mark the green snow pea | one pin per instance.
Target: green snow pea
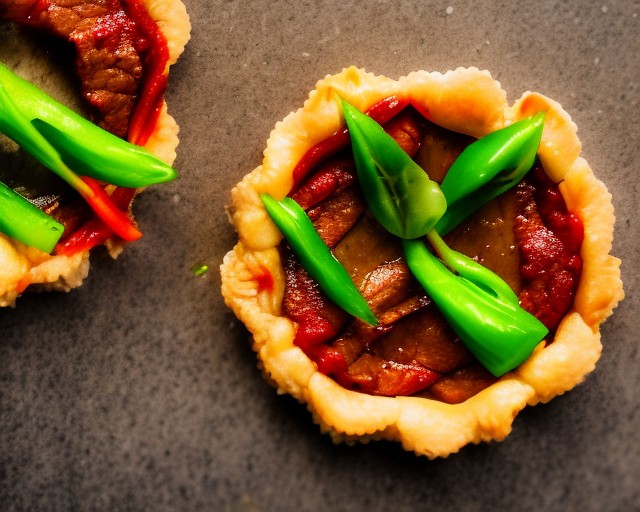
(80, 144)
(26, 223)
(487, 317)
(397, 190)
(489, 167)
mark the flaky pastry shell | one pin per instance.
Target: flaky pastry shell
(468, 101)
(22, 266)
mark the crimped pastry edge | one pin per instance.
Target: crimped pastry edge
(22, 266)
(464, 100)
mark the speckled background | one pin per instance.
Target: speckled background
(139, 391)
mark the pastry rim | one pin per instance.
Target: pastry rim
(425, 426)
(28, 267)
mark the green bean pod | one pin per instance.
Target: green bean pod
(26, 223)
(498, 332)
(82, 146)
(18, 127)
(398, 191)
(489, 167)
(316, 257)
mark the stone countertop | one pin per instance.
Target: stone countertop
(139, 391)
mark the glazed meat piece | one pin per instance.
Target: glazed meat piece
(318, 318)
(337, 215)
(460, 385)
(334, 176)
(108, 46)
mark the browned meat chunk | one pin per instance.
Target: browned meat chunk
(108, 45)
(337, 215)
(460, 385)
(549, 238)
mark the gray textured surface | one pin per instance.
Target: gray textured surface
(139, 390)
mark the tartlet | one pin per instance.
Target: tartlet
(23, 267)
(467, 101)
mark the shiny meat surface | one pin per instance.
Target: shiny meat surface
(108, 48)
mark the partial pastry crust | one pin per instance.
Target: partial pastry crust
(464, 100)
(173, 20)
(21, 266)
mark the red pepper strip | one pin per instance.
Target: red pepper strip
(102, 205)
(382, 112)
(95, 232)
(149, 104)
(333, 364)
(118, 221)
(333, 176)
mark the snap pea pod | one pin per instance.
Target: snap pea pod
(498, 332)
(21, 130)
(488, 167)
(26, 223)
(316, 257)
(397, 190)
(80, 144)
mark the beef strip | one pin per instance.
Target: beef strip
(318, 318)
(460, 385)
(376, 376)
(408, 130)
(108, 50)
(333, 176)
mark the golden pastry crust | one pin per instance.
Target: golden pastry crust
(173, 20)
(464, 100)
(22, 266)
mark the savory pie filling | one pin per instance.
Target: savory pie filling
(526, 236)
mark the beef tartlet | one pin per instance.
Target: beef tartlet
(123, 51)
(413, 372)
